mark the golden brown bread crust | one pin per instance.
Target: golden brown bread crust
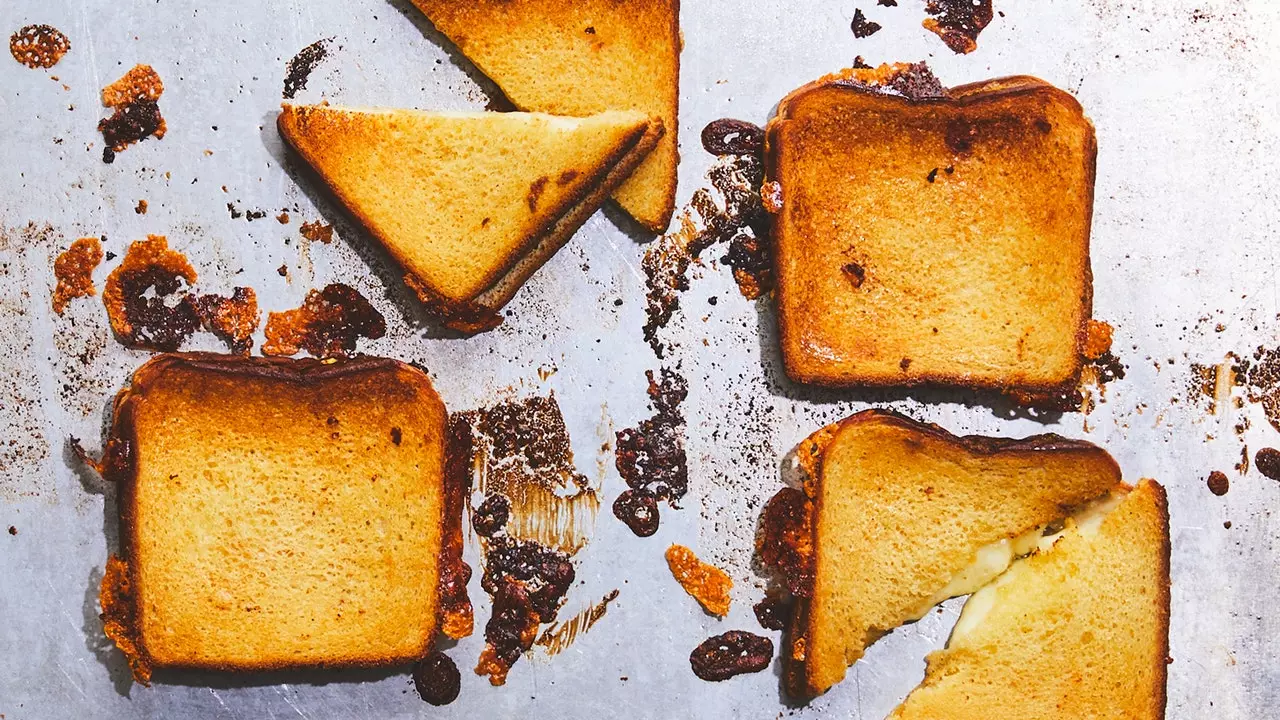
(818, 365)
(120, 583)
(546, 75)
(812, 451)
(480, 312)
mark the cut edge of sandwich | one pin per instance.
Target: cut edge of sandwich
(481, 311)
(1083, 526)
(878, 84)
(118, 589)
(988, 561)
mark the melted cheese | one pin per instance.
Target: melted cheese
(991, 561)
(1086, 522)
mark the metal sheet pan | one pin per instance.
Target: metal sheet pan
(1184, 96)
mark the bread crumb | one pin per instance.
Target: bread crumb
(707, 584)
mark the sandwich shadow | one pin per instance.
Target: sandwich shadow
(227, 680)
(497, 100)
(351, 232)
(780, 385)
(104, 650)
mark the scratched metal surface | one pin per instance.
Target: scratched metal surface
(1187, 105)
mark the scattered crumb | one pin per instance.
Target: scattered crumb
(38, 46)
(283, 218)
(328, 324)
(141, 207)
(317, 231)
(1218, 483)
(137, 116)
(74, 272)
(707, 584)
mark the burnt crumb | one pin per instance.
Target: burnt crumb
(527, 582)
(136, 115)
(638, 509)
(73, 270)
(532, 430)
(13, 530)
(328, 324)
(283, 218)
(283, 270)
(862, 27)
(116, 461)
(436, 678)
(727, 136)
(703, 223)
(491, 516)
(1262, 382)
(932, 177)
(235, 212)
(855, 273)
(773, 613)
(1267, 460)
(905, 364)
(958, 22)
(316, 230)
(38, 46)
(1218, 483)
(859, 63)
(141, 207)
(651, 457)
(751, 257)
(298, 69)
(785, 543)
(252, 215)
(233, 319)
(887, 3)
(396, 435)
(140, 297)
(733, 653)
(914, 81)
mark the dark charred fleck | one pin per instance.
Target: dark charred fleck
(638, 509)
(727, 136)
(527, 582)
(1268, 462)
(960, 136)
(328, 324)
(862, 27)
(437, 679)
(13, 530)
(785, 543)
(855, 273)
(773, 613)
(933, 175)
(1218, 483)
(298, 70)
(733, 653)
(396, 436)
(651, 456)
(491, 516)
(958, 22)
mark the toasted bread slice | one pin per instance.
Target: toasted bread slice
(277, 513)
(906, 515)
(1080, 630)
(937, 239)
(578, 58)
(469, 204)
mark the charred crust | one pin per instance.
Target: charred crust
(457, 619)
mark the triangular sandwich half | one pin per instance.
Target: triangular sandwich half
(470, 204)
(578, 58)
(1077, 630)
(904, 515)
